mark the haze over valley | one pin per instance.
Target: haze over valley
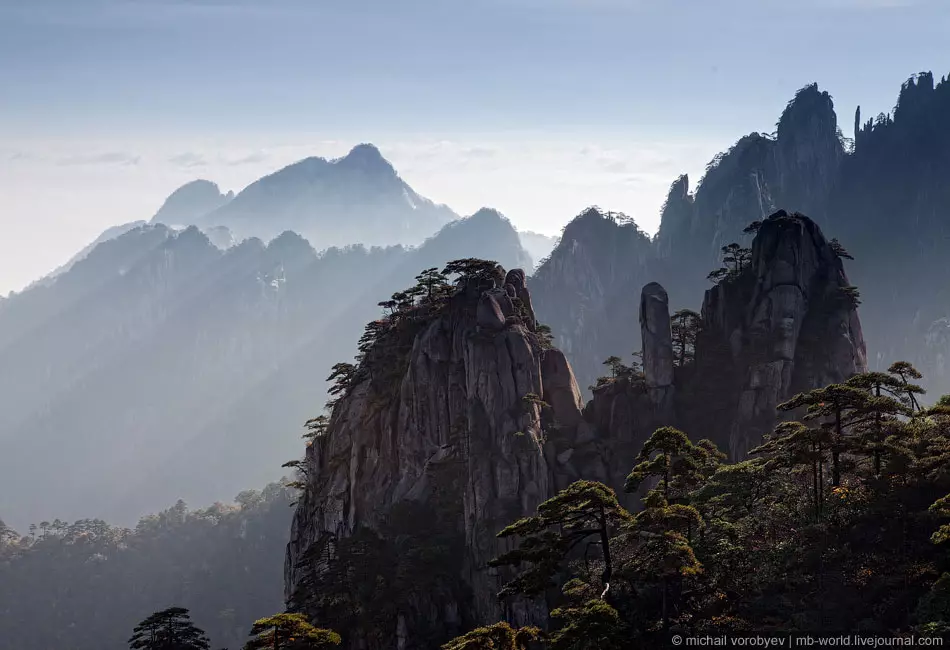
(494, 326)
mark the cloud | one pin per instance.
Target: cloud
(478, 152)
(21, 156)
(249, 159)
(188, 159)
(107, 158)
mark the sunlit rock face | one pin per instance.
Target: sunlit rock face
(461, 402)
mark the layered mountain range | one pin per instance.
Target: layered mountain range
(194, 359)
(195, 367)
(882, 195)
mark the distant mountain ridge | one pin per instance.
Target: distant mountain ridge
(356, 199)
(883, 196)
(194, 366)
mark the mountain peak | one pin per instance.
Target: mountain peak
(366, 156)
(191, 201)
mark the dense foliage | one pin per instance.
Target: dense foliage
(85, 585)
(834, 524)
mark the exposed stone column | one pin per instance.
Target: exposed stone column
(657, 350)
(656, 336)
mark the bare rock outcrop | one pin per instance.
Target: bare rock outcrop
(458, 423)
(786, 324)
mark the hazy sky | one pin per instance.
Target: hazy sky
(536, 107)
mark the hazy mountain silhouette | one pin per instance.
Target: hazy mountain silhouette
(538, 246)
(161, 366)
(191, 202)
(883, 196)
(358, 198)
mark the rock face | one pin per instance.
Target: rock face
(787, 323)
(462, 401)
(656, 337)
(884, 195)
(586, 291)
(480, 420)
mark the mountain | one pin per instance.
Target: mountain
(186, 205)
(538, 246)
(586, 290)
(460, 418)
(358, 198)
(107, 234)
(194, 367)
(881, 196)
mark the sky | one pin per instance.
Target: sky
(538, 108)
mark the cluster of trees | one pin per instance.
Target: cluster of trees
(835, 523)
(173, 629)
(83, 585)
(384, 347)
(685, 328)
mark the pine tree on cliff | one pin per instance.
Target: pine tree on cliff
(169, 629)
(290, 632)
(584, 512)
(735, 260)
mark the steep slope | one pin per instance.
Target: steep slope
(883, 198)
(783, 325)
(232, 339)
(435, 428)
(355, 199)
(586, 290)
(107, 234)
(538, 246)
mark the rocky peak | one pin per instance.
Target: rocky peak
(366, 157)
(786, 324)
(190, 202)
(457, 415)
(809, 150)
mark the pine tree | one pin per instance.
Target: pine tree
(671, 457)
(169, 629)
(685, 326)
(880, 413)
(796, 447)
(585, 511)
(593, 625)
(904, 370)
(289, 632)
(500, 636)
(840, 406)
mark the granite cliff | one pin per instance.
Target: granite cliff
(443, 417)
(460, 417)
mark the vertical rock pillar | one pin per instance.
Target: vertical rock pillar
(657, 348)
